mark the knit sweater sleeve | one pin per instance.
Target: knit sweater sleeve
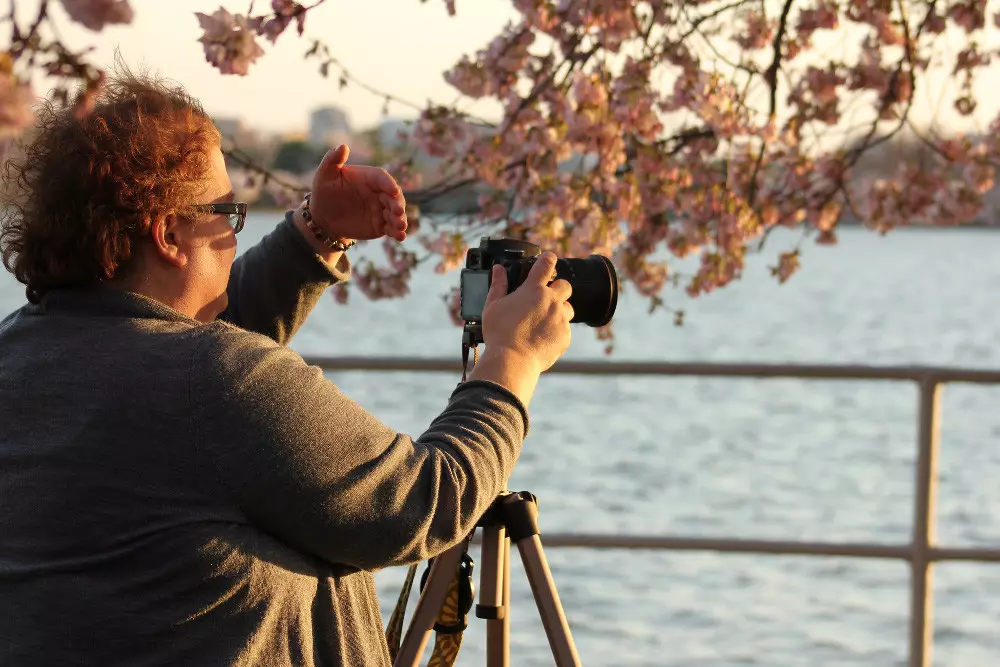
(274, 285)
(309, 465)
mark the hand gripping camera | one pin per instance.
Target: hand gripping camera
(594, 282)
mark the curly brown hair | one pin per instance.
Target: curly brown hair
(87, 189)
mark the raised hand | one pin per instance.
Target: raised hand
(357, 203)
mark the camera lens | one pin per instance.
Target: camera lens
(595, 288)
(594, 283)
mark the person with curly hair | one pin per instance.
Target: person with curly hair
(178, 486)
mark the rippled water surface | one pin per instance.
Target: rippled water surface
(777, 459)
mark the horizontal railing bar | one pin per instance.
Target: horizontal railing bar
(789, 371)
(981, 555)
(775, 547)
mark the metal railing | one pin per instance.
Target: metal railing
(922, 551)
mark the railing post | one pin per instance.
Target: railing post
(921, 591)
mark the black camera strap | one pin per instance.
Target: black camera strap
(465, 358)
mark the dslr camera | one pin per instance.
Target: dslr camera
(594, 282)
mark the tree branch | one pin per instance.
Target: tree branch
(771, 76)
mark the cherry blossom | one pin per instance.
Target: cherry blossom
(16, 98)
(229, 41)
(285, 11)
(451, 248)
(95, 14)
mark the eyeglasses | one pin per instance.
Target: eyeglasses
(236, 211)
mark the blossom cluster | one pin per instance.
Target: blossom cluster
(685, 151)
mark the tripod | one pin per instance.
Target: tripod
(512, 516)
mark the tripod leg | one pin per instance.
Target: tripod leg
(547, 598)
(431, 600)
(521, 519)
(506, 602)
(492, 606)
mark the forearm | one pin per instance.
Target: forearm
(274, 285)
(311, 466)
(509, 370)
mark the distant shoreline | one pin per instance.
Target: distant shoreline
(972, 225)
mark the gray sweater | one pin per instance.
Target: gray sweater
(174, 493)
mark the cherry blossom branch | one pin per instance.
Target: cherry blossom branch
(771, 76)
(241, 158)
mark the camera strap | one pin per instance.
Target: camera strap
(452, 620)
(466, 345)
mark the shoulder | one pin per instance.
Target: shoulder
(226, 355)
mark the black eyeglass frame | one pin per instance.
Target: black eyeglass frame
(237, 208)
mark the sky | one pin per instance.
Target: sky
(401, 47)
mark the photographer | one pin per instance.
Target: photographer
(177, 486)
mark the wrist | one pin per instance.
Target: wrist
(319, 244)
(331, 241)
(516, 372)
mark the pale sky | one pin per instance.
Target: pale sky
(399, 46)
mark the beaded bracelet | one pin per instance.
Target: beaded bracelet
(318, 233)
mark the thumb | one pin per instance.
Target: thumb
(334, 160)
(498, 288)
(543, 270)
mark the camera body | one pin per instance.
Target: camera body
(593, 279)
(476, 277)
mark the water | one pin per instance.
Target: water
(777, 459)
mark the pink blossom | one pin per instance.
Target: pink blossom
(453, 303)
(496, 68)
(788, 263)
(826, 218)
(648, 277)
(451, 247)
(547, 231)
(969, 14)
(341, 293)
(95, 14)
(285, 11)
(870, 73)
(402, 170)
(16, 99)
(934, 23)
(439, 131)
(401, 261)
(823, 16)
(759, 31)
(593, 232)
(229, 41)
(889, 33)
(377, 282)
(633, 102)
(539, 14)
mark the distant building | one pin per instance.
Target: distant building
(328, 126)
(229, 128)
(389, 130)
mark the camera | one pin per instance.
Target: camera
(593, 278)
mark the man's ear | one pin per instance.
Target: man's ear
(169, 239)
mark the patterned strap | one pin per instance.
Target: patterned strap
(451, 620)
